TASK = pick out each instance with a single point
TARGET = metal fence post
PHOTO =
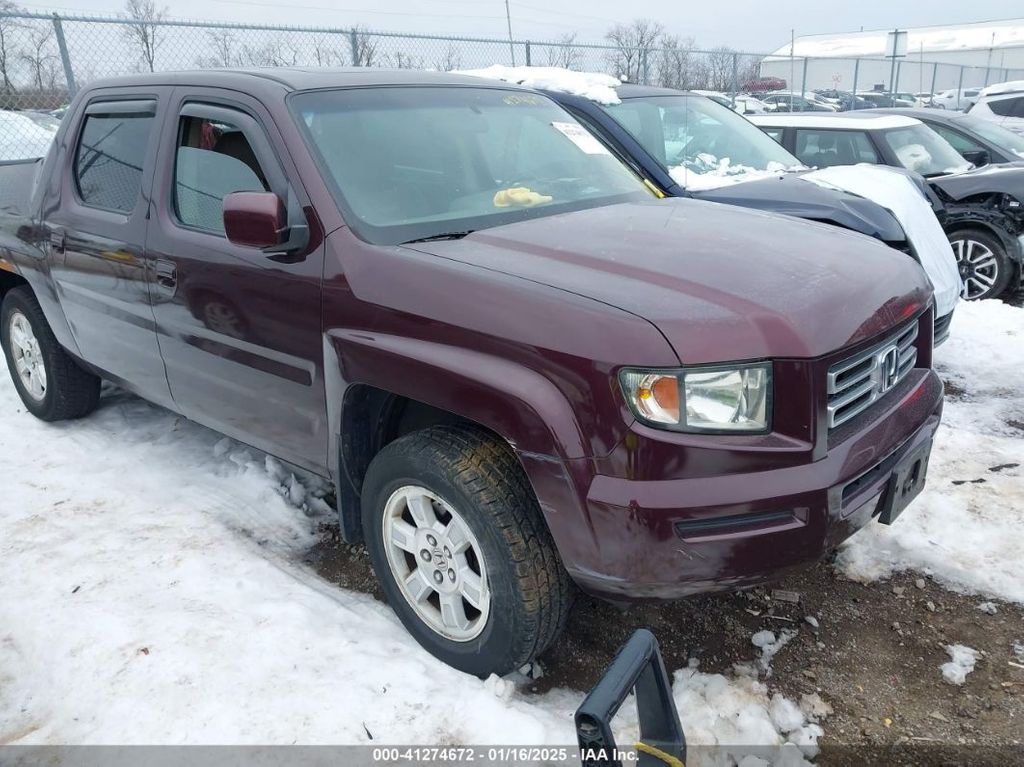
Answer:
(856, 75)
(935, 75)
(960, 87)
(735, 77)
(353, 39)
(65, 58)
(803, 80)
(529, 60)
(643, 65)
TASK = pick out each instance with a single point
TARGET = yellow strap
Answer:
(656, 752)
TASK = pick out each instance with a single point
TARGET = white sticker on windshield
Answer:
(578, 135)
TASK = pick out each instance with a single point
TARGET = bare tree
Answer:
(41, 58)
(364, 48)
(221, 45)
(633, 44)
(720, 67)
(564, 53)
(678, 66)
(7, 54)
(271, 53)
(452, 59)
(324, 53)
(399, 60)
(144, 32)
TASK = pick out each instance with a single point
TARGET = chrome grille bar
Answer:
(856, 383)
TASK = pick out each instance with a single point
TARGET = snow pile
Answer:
(962, 663)
(23, 139)
(897, 193)
(965, 528)
(153, 590)
(590, 85)
(705, 171)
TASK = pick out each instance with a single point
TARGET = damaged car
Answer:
(980, 209)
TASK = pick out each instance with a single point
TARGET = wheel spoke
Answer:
(403, 535)
(422, 510)
(958, 249)
(457, 538)
(417, 586)
(21, 366)
(453, 612)
(987, 280)
(472, 587)
(970, 251)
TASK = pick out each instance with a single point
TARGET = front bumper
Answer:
(667, 539)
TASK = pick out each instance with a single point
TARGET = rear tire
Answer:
(52, 386)
(984, 266)
(476, 578)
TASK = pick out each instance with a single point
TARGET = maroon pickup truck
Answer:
(522, 371)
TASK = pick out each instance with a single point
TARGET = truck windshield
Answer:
(922, 150)
(702, 144)
(413, 163)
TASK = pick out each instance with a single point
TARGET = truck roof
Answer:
(292, 78)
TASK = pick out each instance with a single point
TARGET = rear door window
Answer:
(110, 155)
(1011, 107)
(823, 148)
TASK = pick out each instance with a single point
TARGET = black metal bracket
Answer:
(637, 666)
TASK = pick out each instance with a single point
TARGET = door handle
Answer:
(166, 276)
(57, 242)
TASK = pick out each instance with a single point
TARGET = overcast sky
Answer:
(748, 25)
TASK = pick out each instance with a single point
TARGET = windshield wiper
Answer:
(442, 236)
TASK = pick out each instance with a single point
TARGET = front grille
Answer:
(942, 328)
(859, 381)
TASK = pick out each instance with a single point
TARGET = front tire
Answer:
(462, 551)
(984, 266)
(52, 386)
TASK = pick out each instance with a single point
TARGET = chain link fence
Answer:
(45, 58)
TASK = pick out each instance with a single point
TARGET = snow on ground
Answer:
(966, 527)
(590, 85)
(152, 591)
(961, 663)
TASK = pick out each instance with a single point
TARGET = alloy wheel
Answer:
(437, 563)
(28, 357)
(979, 267)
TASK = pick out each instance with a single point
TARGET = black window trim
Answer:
(112, 104)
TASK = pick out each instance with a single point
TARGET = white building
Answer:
(934, 58)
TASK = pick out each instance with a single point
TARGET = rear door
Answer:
(97, 229)
(239, 329)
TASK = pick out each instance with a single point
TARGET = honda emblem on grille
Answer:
(888, 368)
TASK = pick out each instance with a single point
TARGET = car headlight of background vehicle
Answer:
(726, 398)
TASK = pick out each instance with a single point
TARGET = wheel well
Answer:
(371, 419)
(9, 280)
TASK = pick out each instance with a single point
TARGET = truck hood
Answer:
(1005, 178)
(787, 193)
(721, 283)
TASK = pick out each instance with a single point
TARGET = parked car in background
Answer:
(879, 99)
(518, 367)
(963, 98)
(924, 99)
(790, 102)
(980, 209)
(689, 146)
(742, 103)
(977, 140)
(1002, 104)
(22, 137)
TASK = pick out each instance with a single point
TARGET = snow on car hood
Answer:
(898, 194)
(590, 85)
(706, 171)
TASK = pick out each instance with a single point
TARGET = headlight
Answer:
(735, 398)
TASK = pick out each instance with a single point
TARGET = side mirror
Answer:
(977, 157)
(255, 219)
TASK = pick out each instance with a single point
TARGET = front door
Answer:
(97, 232)
(239, 329)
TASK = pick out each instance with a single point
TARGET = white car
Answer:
(957, 99)
(1003, 104)
(22, 138)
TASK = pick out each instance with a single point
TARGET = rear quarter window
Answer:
(1009, 107)
(824, 148)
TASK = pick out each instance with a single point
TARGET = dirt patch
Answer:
(874, 656)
